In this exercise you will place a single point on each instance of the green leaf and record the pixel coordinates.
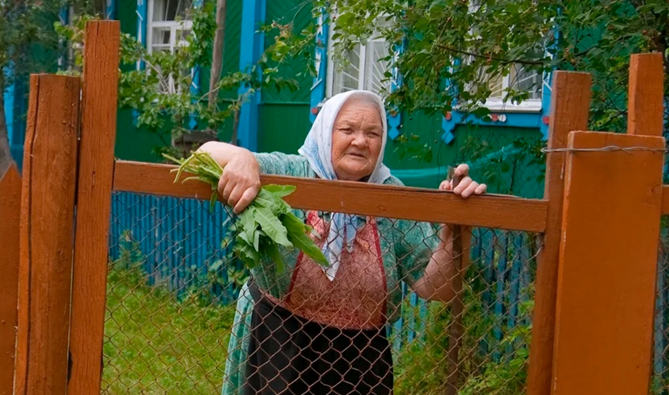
(247, 253)
(256, 239)
(275, 255)
(272, 202)
(271, 225)
(280, 190)
(212, 202)
(298, 236)
(248, 222)
(214, 267)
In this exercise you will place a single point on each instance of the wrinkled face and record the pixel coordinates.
(356, 140)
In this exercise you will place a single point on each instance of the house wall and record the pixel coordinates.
(284, 116)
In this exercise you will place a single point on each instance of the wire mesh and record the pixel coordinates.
(660, 373)
(184, 315)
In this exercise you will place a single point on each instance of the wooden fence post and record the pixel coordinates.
(646, 95)
(570, 109)
(46, 236)
(10, 209)
(608, 258)
(462, 241)
(608, 253)
(96, 173)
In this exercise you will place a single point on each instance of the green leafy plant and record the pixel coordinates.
(160, 92)
(262, 227)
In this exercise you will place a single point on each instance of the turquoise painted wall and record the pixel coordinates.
(284, 117)
(133, 143)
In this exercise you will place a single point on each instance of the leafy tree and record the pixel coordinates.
(22, 25)
(29, 44)
(160, 92)
(450, 49)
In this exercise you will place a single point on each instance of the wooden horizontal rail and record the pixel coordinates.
(489, 211)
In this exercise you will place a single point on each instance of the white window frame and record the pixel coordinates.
(175, 27)
(499, 105)
(526, 106)
(332, 67)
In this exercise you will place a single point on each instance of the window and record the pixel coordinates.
(168, 29)
(365, 69)
(519, 80)
(516, 79)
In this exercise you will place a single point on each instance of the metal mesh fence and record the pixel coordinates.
(184, 315)
(660, 374)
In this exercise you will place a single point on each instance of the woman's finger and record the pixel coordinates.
(464, 184)
(235, 195)
(445, 185)
(246, 199)
(481, 189)
(222, 182)
(229, 187)
(471, 188)
(462, 170)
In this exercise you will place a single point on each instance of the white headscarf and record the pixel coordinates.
(317, 149)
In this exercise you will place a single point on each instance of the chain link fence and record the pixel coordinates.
(180, 315)
(660, 374)
(508, 163)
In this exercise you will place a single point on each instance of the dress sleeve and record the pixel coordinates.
(280, 164)
(414, 244)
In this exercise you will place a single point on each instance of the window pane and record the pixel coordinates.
(496, 87)
(168, 10)
(182, 35)
(346, 79)
(161, 35)
(375, 67)
(526, 81)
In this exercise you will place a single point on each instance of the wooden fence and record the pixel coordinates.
(600, 220)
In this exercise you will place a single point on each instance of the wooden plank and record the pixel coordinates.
(494, 211)
(665, 200)
(608, 259)
(569, 111)
(94, 188)
(46, 238)
(462, 242)
(646, 95)
(10, 210)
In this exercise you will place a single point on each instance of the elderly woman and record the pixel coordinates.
(321, 330)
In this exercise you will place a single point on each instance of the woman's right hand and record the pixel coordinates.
(240, 182)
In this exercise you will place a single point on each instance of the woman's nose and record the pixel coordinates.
(359, 139)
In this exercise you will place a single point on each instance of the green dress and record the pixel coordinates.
(406, 248)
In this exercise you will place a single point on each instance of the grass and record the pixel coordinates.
(155, 344)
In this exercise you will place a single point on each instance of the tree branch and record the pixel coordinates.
(502, 60)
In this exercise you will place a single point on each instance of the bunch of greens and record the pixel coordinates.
(264, 225)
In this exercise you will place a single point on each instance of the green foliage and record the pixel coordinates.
(422, 366)
(160, 90)
(24, 27)
(265, 224)
(507, 169)
(450, 49)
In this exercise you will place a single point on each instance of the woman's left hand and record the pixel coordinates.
(466, 187)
